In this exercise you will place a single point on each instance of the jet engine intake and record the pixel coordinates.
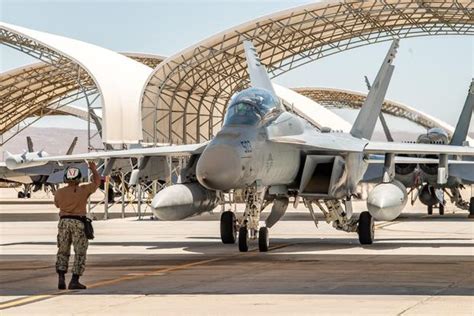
(431, 168)
(405, 168)
(181, 201)
(387, 200)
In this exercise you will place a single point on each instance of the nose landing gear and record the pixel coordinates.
(248, 226)
(245, 235)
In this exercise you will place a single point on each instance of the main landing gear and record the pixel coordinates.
(26, 193)
(471, 208)
(366, 228)
(342, 219)
(228, 227)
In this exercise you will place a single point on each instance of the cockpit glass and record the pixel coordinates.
(439, 131)
(249, 107)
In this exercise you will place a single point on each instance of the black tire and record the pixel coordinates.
(21, 195)
(366, 228)
(263, 239)
(243, 239)
(228, 229)
(471, 207)
(441, 209)
(430, 209)
(28, 195)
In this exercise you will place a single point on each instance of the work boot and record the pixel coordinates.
(74, 283)
(61, 280)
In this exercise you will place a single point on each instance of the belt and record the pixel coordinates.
(79, 218)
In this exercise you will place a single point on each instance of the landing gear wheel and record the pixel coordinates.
(28, 195)
(471, 208)
(430, 209)
(21, 195)
(243, 239)
(366, 228)
(263, 239)
(228, 229)
(441, 209)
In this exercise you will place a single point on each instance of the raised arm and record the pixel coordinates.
(95, 173)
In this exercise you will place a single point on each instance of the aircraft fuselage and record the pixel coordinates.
(239, 156)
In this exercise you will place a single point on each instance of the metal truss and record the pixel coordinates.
(184, 100)
(137, 197)
(341, 99)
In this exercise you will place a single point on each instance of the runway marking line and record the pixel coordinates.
(36, 298)
(41, 297)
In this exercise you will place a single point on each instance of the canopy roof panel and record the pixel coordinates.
(119, 79)
(42, 89)
(185, 97)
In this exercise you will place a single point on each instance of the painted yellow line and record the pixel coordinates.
(154, 272)
(382, 225)
(41, 297)
(24, 300)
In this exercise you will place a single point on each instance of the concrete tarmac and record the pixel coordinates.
(417, 266)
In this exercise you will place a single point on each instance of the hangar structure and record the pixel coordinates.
(185, 97)
(41, 89)
(101, 74)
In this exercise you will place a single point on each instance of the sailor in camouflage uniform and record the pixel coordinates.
(72, 202)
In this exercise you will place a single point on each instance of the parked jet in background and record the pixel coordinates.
(273, 155)
(32, 180)
(421, 178)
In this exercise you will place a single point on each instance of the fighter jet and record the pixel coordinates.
(33, 180)
(421, 178)
(272, 155)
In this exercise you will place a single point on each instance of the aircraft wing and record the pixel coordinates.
(379, 159)
(322, 142)
(420, 149)
(177, 150)
(344, 143)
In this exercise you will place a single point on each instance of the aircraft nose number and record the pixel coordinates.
(247, 146)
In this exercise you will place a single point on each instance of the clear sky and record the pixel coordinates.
(432, 73)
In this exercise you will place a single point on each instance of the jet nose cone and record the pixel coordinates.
(219, 168)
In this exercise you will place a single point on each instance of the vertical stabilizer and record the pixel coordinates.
(29, 144)
(386, 130)
(364, 124)
(462, 128)
(72, 146)
(257, 72)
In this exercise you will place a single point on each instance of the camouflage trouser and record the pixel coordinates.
(71, 231)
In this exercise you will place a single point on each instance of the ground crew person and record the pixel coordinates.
(72, 201)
